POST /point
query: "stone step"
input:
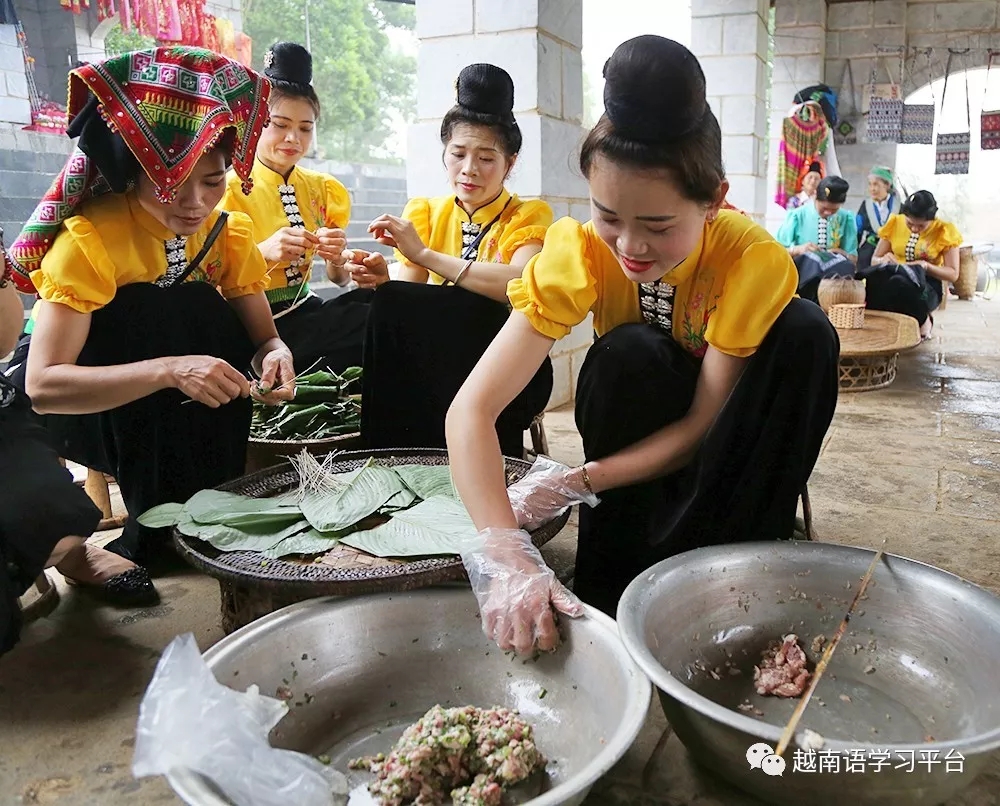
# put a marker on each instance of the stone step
(380, 197)
(369, 212)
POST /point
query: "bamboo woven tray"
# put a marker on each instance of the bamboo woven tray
(265, 453)
(869, 355)
(252, 586)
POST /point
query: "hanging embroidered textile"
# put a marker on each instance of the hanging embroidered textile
(885, 108)
(76, 6)
(803, 134)
(244, 49)
(845, 133)
(106, 9)
(952, 150)
(168, 21)
(990, 121)
(918, 119)
(226, 37)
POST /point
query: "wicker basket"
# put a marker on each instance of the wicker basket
(265, 453)
(847, 317)
(968, 273)
(840, 291)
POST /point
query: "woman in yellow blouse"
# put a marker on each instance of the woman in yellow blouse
(132, 325)
(704, 400)
(296, 214)
(423, 339)
(915, 260)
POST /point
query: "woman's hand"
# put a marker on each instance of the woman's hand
(548, 489)
(517, 592)
(367, 269)
(399, 233)
(796, 251)
(288, 244)
(332, 243)
(277, 374)
(207, 379)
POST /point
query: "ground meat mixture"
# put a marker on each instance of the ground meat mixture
(782, 671)
(465, 756)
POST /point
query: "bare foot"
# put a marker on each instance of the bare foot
(92, 565)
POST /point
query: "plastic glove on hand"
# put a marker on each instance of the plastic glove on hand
(546, 490)
(517, 592)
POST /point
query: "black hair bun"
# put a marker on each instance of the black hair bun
(922, 205)
(486, 89)
(654, 90)
(288, 61)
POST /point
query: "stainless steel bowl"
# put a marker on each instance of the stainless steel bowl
(361, 669)
(915, 677)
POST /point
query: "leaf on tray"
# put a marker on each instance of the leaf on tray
(247, 538)
(231, 509)
(335, 511)
(439, 525)
(308, 542)
(400, 500)
(427, 481)
(161, 516)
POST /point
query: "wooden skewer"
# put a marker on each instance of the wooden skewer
(789, 731)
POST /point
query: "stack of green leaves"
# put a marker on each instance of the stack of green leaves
(322, 408)
(421, 513)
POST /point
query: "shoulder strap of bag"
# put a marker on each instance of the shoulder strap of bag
(848, 74)
(220, 222)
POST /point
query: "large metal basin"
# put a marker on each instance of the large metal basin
(916, 676)
(361, 669)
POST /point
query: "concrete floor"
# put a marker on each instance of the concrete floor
(920, 460)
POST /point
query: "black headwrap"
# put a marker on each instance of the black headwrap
(833, 189)
(488, 90)
(288, 61)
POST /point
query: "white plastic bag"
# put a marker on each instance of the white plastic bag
(188, 720)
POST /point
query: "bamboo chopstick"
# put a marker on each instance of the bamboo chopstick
(789, 731)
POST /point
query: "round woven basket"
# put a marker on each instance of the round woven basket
(265, 453)
(840, 291)
(847, 317)
(968, 273)
(252, 586)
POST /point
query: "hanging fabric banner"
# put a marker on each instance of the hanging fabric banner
(885, 111)
(990, 121)
(845, 133)
(918, 119)
(952, 151)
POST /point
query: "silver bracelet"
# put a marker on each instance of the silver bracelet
(465, 268)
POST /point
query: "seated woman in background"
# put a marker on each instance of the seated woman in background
(874, 212)
(44, 517)
(915, 261)
(296, 214)
(821, 237)
(423, 340)
(807, 187)
(131, 324)
(704, 401)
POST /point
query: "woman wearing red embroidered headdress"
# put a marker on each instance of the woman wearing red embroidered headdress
(129, 257)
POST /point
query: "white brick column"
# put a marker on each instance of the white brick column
(538, 42)
(729, 37)
(799, 52)
(14, 104)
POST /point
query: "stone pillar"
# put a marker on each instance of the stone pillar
(729, 37)
(538, 42)
(799, 53)
(14, 105)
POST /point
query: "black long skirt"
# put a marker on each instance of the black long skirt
(329, 334)
(905, 289)
(159, 448)
(816, 266)
(39, 505)
(422, 342)
(745, 479)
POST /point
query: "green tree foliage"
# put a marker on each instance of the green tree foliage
(361, 81)
(118, 41)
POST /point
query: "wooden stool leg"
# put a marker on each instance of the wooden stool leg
(97, 488)
(539, 442)
(807, 514)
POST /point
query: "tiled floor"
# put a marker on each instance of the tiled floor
(919, 461)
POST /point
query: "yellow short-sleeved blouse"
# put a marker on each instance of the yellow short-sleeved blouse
(729, 291)
(439, 223)
(113, 242)
(318, 198)
(938, 238)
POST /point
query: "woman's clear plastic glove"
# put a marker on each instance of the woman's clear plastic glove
(546, 490)
(517, 592)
